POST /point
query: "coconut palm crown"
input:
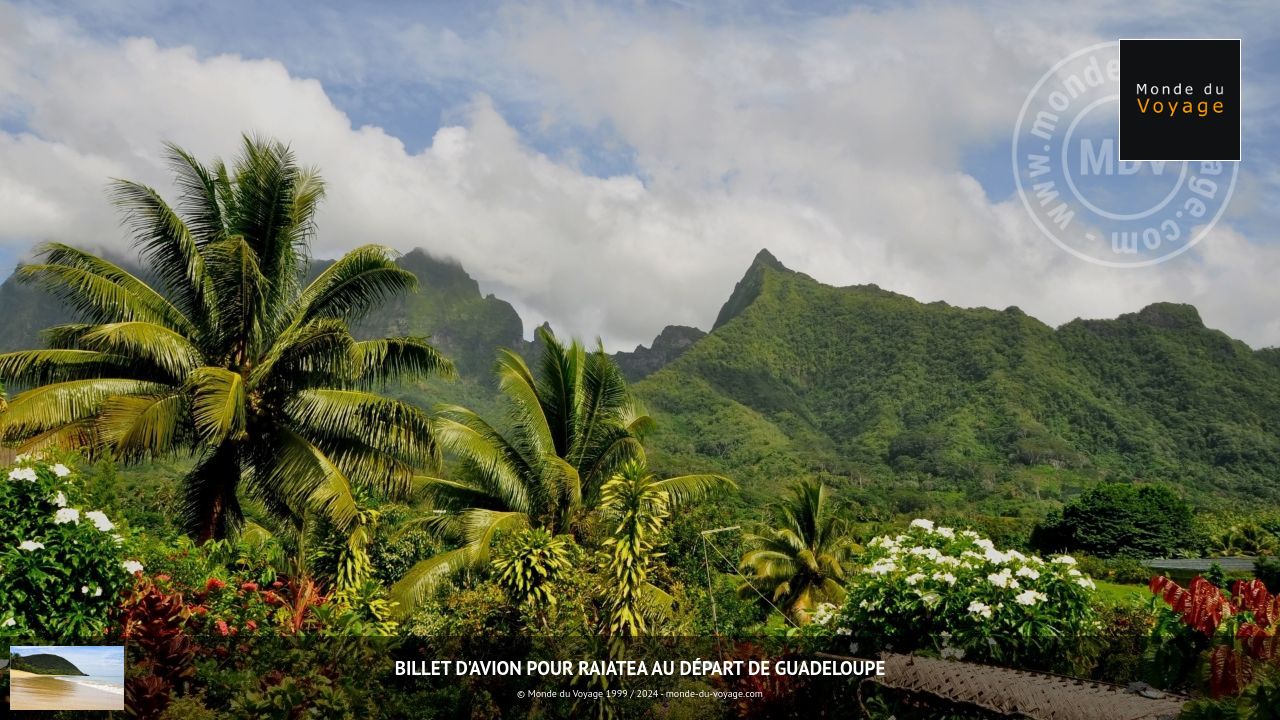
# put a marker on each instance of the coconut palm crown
(224, 352)
(799, 563)
(569, 429)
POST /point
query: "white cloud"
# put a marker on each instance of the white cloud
(837, 144)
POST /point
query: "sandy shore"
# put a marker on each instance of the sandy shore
(28, 691)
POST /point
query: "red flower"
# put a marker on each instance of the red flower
(277, 584)
(221, 625)
(214, 584)
(249, 587)
(251, 625)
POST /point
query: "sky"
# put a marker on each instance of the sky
(100, 660)
(613, 167)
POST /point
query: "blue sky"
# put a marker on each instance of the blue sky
(103, 660)
(576, 156)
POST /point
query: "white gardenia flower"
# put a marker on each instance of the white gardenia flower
(995, 557)
(60, 499)
(1086, 583)
(84, 589)
(980, 608)
(61, 470)
(131, 566)
(31, 545)
(881, 567)
(1028, 573)
(985, 544)
(66, 515)
(946, 532)
(931, 598)
(915, 578)
(1030, 597)
(1002, 579)
(1065, 560)
(844, 631)
(945, 577)
(923, 524)
(23, 473)
(100, 520)
(97, 592)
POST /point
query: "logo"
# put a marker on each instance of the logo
(1082, 196)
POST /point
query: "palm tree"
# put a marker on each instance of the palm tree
(229, 356)
(639, 504)
(800, 563)
(568, 430)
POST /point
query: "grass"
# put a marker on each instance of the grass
(1120, 594)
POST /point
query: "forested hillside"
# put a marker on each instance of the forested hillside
(905, 403)
(866, 385)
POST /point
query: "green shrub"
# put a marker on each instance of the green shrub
(1267, 569)
(1113, 519)
(934, 588)
(62, 568)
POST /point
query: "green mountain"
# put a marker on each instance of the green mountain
(45, 664)
(912, 404)
(906, 405)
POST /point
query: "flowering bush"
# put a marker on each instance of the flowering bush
(61, 567)
(953, 591)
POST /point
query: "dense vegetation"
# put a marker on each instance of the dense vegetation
(280, 505)
(44, 664)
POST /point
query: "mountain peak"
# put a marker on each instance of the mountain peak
(748, 288)
(764, 258)
(1170, 316)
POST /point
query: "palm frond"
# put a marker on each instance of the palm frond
(360, 280)
(53, 406)
(218, 403)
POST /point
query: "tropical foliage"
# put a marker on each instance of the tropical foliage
(800, 563)
(568, 429)
(952, 591)
(226, 353)
(62, 567)
(1112, 519)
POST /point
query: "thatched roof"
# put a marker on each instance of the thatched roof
(1019, 693)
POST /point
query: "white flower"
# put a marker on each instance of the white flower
(61, 470)
(969, 533)
(1030, 597)
(844, 631)
(1015, 555)
(1086, 583)
(1074, 572)
(1065, 560)
(100, 520)
(60, 499)
(985, 544)
(922, 523)
(84, 589)
(945, 577)
(980, 608)
(995, 557)
(131, 566)
(931, 598)
(915, 578)
(23, 473)
(66, 515)
(31, 545)
(950, 652)
(1003, 579)
(1027, 572)
(882, 567)
(22, 458)
(97, 592)
(10, 622)
(946, 532)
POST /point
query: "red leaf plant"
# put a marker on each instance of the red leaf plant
(1255, 614)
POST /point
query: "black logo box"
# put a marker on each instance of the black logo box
(1185, 67)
